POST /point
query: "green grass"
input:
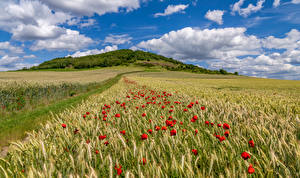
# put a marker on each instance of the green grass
(16, 127)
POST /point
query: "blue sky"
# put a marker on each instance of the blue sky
(257, 38)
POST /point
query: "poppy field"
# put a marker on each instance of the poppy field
(151, 126)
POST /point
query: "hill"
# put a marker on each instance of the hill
(123, 57)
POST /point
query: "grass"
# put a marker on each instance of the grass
(248, 105)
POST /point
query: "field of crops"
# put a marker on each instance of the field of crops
(25, 90)
(169, 125)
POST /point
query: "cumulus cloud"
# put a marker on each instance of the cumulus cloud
(76, 21)
(171, 9)
(117, 39)
(31, 20)
(13, 63)
(295, 1)
(72, 40)
(290, 42)
(191, 43)
(233, 50)
(90, 7)
(94, 51)
(276, 3)
(245, 12)
(7, 46)
(215, 15)
(272, 66)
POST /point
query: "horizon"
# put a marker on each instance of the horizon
(254, 38)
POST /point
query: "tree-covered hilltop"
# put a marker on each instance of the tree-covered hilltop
(124, 57)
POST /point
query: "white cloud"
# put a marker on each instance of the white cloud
(31, 20)
(72, 40)
(233, 50)
(245, 12)
(90, 7)
(81, 22)
(290, 42)
(191, 43)
(117, 39)
(29, 56)
(13, 63)
(6, 46)
(295, 1)
(272, 66)
(94, 51)
(276, 3)
(215, 15)
(171, 9)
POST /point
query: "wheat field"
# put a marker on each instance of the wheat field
(169, 125)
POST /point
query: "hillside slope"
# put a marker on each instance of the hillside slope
(124, 57)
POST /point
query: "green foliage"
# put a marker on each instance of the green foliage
(123, 57)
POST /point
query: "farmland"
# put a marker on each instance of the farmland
(163, 124)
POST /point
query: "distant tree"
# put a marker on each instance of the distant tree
(236, 73)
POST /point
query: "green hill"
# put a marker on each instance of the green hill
(124, 57)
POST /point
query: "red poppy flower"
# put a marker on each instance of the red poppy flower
(195, 117)
(150, 131)
(196, 131)
(219, 125)
(226, 133)
(218, 136)
(193, 120)
(171, 110)
(170, 117)
(118, 115)
(64, 125)
(173, 132)
(207, 122)
(169, 123)
(119, 170)
(251, 169)
(87, 113)
(226, 126)
(197, 102)
(163, 128)
(195, 151)
(157, 128)
(222, 138)
(104, 119)
(181, 123)
(144, 114)
(251, 143)
(103, 112)
(212, 124)
(106, 143)
(189, 106)
(183, 130)
(97, 152)
(144, 161)
(87, 141)
(118, 102)
(84, 116)
(102, 137)
(144, 136)
(202, 107)
(245, 155)
(185, 110)
(122, 132)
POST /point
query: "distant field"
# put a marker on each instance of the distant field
(166, 125)
(25, 90)
(83, 77)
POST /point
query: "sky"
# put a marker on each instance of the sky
(259, 38)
